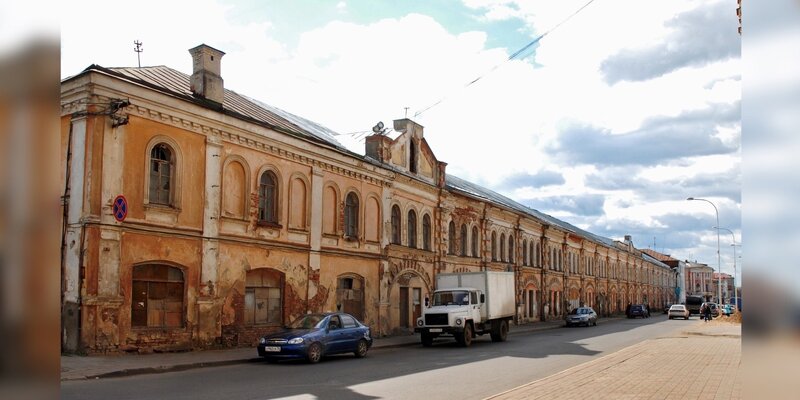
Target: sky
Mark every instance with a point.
(610, 121)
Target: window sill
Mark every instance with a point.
(161, 208)
(266, 224)
(351, 238)
(164, 329)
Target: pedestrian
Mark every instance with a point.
(706, 312)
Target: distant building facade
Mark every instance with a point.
(700, 280)
(195, 217)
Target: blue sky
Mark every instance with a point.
(610, 122)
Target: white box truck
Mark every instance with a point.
(468, 304)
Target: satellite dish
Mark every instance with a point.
(378, 127)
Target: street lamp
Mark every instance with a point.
(719, 263)
(735, 291)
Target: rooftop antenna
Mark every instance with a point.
(406, 108)
(138, 49)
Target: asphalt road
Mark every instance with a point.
(443, 371)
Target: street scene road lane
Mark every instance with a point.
(442, 371)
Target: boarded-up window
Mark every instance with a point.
(412, 229)
(494, 246)
(330, 211)
(395, 224)
(451, 238)
(464, 242)
(474, 241)
(350, 296)
(426, 232)
(372, 220)
(351, 215)
(157, 297)
(502, 247)
(234, 190)
(263, 298)
(297, 204)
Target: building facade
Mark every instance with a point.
(195, 217)
(700, 280)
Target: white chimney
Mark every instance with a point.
(206, 80)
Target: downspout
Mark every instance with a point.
(64, 218)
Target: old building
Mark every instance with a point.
(699, 280)
(196, 217)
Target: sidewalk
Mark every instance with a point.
(701, 361)
(94, 367)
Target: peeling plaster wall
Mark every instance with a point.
(235, 261)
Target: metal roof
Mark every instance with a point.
(457, 184)
(176, 83)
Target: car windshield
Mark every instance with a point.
(307, 322)
(676, 307)
(455, 297)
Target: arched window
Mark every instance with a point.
(475, 239)
(412, 228)
(395, 224)
(463, 240)
(412, 156)
(494, 246)
(502, 247)
(511, 248)
(157, 296)
(451, 238)
(426, 232)
(524, 252)
(263, 297)
(268, 198)
(162, 169)
(351, 215)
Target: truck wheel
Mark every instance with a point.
(499, 331)
(427, 339)
(465, 339)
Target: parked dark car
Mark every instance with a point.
(638, 310)
(582, 316)
(666, 308)
(314, 336)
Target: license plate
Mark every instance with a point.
(435, 330)
(272, 348)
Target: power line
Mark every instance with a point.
(513, 56)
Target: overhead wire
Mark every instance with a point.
(513, 56)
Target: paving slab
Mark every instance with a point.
(702, 361)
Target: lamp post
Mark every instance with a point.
(733, 237)
(719, 263)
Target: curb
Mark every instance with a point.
(203, 364)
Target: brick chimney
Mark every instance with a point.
(206, 80)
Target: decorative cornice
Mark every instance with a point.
(246, 140)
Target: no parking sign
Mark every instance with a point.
(120, 208)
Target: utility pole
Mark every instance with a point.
(138, 49)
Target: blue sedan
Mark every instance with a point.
(313, 336)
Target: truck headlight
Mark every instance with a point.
(420, 322)
(458, 321)
(296, 340)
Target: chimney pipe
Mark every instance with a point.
(206, 80)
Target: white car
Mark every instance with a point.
(678, 311)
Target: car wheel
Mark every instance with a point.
(500, 332)
(594, 323)
(314, 353)
(361, 349)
